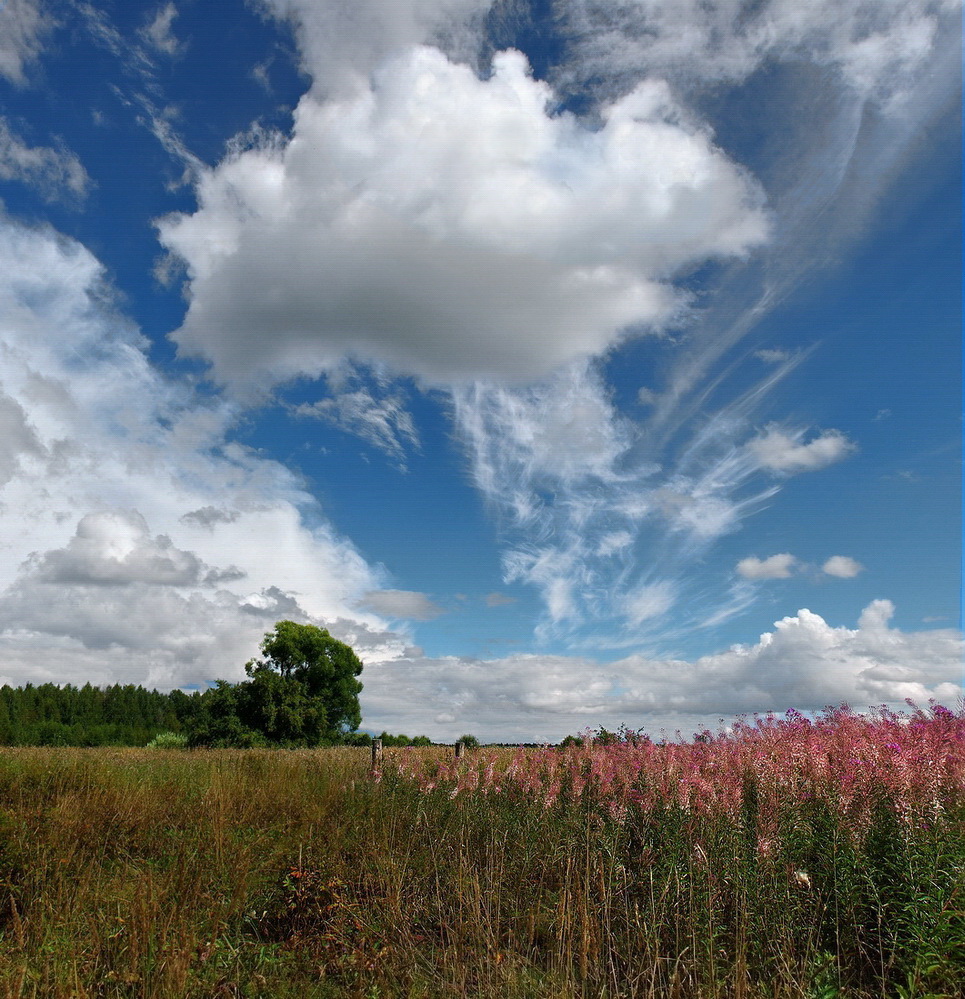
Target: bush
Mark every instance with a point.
(168, 740)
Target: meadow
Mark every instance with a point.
(782, 858)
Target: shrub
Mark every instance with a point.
(169, 740)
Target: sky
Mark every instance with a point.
(579, 363)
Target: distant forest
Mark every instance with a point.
(120, 715)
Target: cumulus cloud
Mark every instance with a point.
(804, 663)
(842, 567)
(22, 27)
(773, 567)
(453, 227)
(779, 451)
(56, 174)
(140, 543)
(402, 604)
(113, 548)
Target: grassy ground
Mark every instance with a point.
(134, 873)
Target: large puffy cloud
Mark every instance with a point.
(139, 543)
(453, 227)
(804, 663)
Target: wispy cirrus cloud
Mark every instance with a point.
(23, 24)
(158, 34)
(56, 174)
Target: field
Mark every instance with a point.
(784, 858)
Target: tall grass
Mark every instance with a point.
(784, 859)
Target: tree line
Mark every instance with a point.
(302, 692)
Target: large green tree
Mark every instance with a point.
(302, 692)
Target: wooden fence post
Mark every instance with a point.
(376, 752)
(459, 748)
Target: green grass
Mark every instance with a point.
(152, 873)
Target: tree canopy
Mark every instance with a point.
(302, 692)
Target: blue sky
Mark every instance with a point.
(579, 364)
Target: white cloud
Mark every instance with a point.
(381, 418)
(114, 548)
(342, 41)
(158, 32)
(453, 227)
(773, 567)
(22, 27)
(779, 451)
(139, 543)
(875, 48)
(770, 356)
(842, 567)
(611, 544)
(499, 600)
(803, 663)
(584, 503)
(54, 173)
(408, 604)
(649, 601)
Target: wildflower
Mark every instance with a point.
(802, 878)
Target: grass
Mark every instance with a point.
(284, 874)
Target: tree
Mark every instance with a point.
(325, 667)
(302, 692)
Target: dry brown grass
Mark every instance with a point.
(134, 873)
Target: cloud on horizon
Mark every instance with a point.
(804, 663)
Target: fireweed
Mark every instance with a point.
(911, 764)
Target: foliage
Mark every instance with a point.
(302, 692)
(118, 715)
(168, 740)
(469, 741)
(295, 875)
